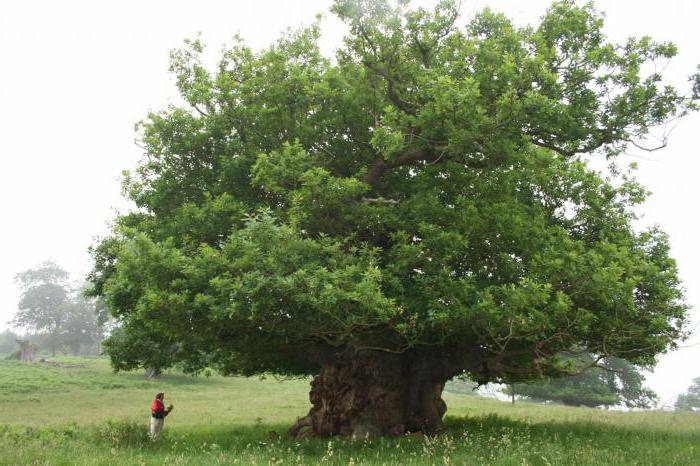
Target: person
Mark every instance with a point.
(158, 413)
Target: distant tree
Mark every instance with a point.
(58, 316)
(8, 341)
(44, 291)
(690, 401)
(615, 382)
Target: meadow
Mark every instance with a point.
(78, 412)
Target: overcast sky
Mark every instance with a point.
(75, 76)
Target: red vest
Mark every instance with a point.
(157, 409)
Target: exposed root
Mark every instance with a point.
(296, 429)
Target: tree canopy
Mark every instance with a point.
(422, 195)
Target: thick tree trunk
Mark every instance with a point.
(376, 395)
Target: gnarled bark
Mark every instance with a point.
(376, 395)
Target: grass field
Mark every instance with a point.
(79, 412)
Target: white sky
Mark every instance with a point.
(75, 76)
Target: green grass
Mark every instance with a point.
(81, 413)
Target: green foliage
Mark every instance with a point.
(616, 382)
(690, 401)
(423, 192)
(130, 350)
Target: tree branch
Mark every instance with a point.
(379, 200)
(664, 142)
(200, 111)
(377, 169)
(391, 93)
(539, 142)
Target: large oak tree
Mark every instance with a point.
(416, 207)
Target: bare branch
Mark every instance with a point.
(200, 111)
(539, 142)
(390, 91)
(664, 142)
(377, 169)
(380, 200)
